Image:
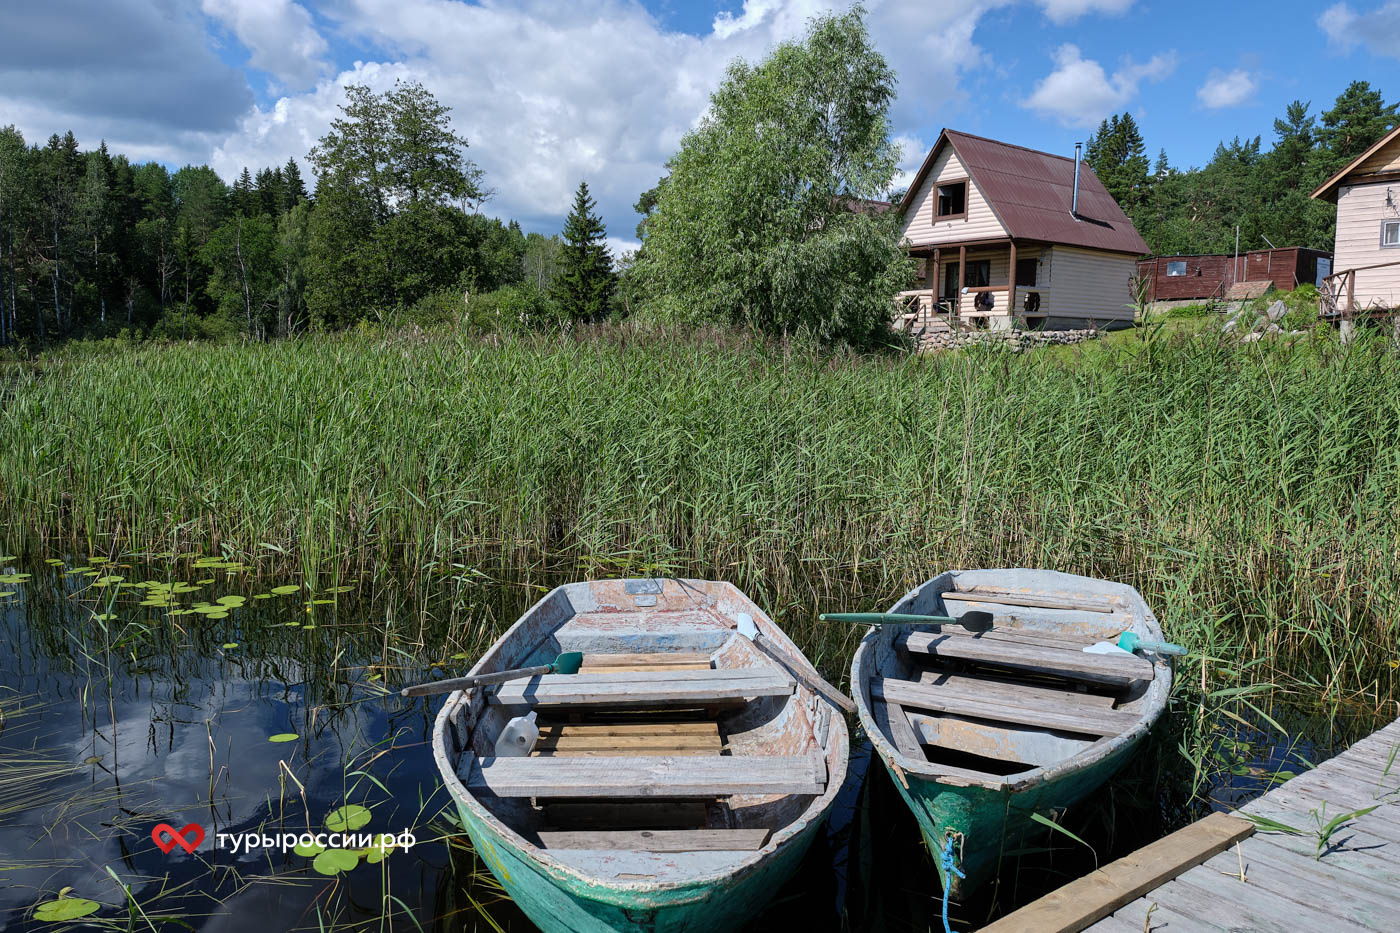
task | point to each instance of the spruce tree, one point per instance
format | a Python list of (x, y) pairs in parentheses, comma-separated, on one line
[(584, 283)]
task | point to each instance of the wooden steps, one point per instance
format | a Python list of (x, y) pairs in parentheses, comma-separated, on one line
[(644, 776), (563, 740), (1004, 707), (659, 840), (649, 688), (1023, 651)]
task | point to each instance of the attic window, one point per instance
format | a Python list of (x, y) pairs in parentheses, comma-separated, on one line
[(952, 200), (1176, 268), (1390, 233)]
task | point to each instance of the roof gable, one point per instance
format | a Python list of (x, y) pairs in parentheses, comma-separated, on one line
[(1328, 189), (1031, 194)]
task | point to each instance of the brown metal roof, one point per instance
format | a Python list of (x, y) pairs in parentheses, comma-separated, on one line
[(1031, 194)]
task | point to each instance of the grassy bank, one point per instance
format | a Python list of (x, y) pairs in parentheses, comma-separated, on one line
[(1249, 491)]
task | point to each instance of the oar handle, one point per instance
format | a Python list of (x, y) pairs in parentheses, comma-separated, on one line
[(475, 680), (885, 618)]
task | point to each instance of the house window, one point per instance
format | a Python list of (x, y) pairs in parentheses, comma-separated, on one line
[(952, 199), (1176, 268), (979, 275), (1025, 271), (1390, 233)]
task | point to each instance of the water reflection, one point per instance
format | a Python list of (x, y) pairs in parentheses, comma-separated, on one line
[(118, 716)]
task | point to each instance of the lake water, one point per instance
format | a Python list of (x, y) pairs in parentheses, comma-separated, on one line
[(119, 715)]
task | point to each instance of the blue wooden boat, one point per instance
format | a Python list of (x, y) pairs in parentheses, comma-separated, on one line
[(679, 777), (980, 730)]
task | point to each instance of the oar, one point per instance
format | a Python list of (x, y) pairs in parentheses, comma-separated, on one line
[(804, 673), (974, 621), (567, 663), (1132, 641)]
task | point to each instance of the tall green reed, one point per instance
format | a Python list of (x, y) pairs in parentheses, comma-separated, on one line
[(1248, 490)]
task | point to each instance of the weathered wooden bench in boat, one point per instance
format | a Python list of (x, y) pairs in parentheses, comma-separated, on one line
[(980, 730), (679, 776)]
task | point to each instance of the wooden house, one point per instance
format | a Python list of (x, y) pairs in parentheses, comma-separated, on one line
[(1008, 236), (1366, 274), (1208, 276)]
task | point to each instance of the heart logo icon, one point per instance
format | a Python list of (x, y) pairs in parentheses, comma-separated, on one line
[(188, 838)]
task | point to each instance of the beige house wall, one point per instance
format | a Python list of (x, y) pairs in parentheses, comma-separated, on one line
[(1361, 211), (921, 228)]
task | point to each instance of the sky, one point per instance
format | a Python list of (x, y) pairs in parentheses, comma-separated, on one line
[(551, 92)]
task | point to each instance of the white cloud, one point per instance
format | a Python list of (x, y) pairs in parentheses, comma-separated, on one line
[(1063, 11), (1079, 93), (1226, 89), (594, 90), (1378, 30), (279, 36)]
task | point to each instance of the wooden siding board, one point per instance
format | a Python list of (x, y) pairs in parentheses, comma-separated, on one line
[(1360, 211), (921, 228), (1089, 285)]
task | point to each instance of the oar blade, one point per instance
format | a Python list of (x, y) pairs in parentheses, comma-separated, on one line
[(568, 663)]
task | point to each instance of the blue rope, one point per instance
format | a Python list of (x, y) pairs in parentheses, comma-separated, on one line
[(950, 868)]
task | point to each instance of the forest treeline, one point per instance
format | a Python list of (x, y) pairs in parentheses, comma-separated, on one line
[(94, 245), (1263, 191), (748, 228)]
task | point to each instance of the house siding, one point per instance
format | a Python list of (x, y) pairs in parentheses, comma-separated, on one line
[(980, 223), (1087, 287), (1360, 211)]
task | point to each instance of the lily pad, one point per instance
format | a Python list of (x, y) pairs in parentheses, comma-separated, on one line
[(234, 601), (335, 861), (284, 737), (286, 590), (66, 908), (229, 645), (7, 593), (347, 818), (53, 562), (7, 558), (205, 582), (105, 617), (216, 615), (14, 577), (92, 760), (262, 595), (308, 850), (104, 582)]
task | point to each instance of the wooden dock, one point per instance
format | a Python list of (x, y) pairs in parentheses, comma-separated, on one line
[(1228, 873)]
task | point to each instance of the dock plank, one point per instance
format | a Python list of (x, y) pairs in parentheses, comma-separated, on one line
[(1095, 896), (1354, 885)]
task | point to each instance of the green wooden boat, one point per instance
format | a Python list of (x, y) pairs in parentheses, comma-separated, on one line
[(678, 778), (979, 730)]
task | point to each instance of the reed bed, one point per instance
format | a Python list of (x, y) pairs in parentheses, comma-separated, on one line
[(1250, 491)]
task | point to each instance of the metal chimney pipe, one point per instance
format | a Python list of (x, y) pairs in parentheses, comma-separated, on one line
[(1074, 206)]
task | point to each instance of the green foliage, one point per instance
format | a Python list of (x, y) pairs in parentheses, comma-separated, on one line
[(1265, 193), (389, 225), (1118, 157), (754, 225), (583, 284)]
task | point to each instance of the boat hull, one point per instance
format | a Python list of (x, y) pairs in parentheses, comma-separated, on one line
[(558, 900), (989, 822)]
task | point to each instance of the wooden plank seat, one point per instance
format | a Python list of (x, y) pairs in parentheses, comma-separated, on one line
[(652, 688), (652, 661), (1022, 651), (660, 776), (562, 740), (659, 840), (961, 701)]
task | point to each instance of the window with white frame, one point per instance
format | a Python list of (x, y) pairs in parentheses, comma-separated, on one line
[(1390, 233)]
